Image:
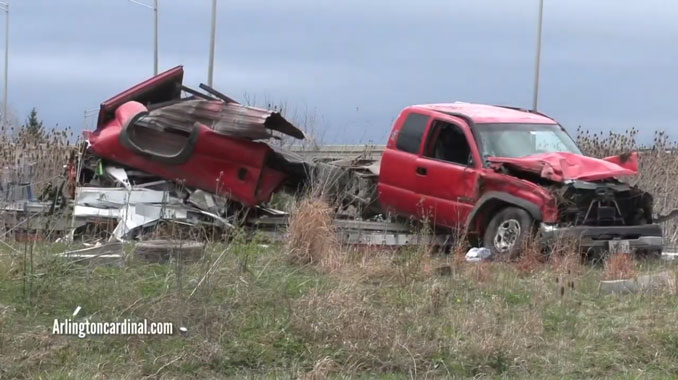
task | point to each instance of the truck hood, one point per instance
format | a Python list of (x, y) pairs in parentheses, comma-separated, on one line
[(562, 166)]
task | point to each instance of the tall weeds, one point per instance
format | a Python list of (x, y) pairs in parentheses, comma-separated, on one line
[(312, 237)]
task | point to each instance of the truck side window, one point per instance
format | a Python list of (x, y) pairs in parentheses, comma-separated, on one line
[(411, 133), (447, 142)]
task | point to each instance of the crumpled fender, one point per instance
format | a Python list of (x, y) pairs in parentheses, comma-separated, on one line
[(499, 190), (531, 207)]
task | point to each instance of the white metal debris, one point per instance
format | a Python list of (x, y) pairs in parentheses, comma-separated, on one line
[(135, 207), (663, 280), (120, 175), (478, 254)]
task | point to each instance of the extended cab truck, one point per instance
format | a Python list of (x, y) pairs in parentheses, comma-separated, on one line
[(501, 174)]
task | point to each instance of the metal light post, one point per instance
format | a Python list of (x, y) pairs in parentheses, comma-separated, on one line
[(87, 114), (538, 57), (5, 6), (154, 8), (210, 70)]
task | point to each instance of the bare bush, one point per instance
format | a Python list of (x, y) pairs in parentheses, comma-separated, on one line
[(39, 160), (312, 236)]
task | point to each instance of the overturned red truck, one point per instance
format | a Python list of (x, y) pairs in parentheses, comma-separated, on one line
[(498, 174)]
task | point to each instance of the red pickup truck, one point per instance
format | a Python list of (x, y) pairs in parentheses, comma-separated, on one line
[(498, 174), (502, 174)]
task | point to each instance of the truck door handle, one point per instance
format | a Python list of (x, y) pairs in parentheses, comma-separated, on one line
[(421, 170)]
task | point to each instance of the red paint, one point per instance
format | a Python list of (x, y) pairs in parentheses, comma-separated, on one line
[(219, 164), (160, 88), (626, 161), (563, 166), (450, 192)]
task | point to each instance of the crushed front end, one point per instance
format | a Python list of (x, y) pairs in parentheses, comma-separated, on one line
[(605, 214), (595, 208)]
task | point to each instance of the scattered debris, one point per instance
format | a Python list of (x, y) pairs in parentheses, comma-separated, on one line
[(105, 254), (663, 280), (478, 254), (157, 251), (134, 207)]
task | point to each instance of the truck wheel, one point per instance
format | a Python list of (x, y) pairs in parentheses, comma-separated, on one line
[(507, 231)]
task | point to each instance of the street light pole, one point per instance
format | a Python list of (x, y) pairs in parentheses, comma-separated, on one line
[(538, 57), (154, 8), (210, 70), (155, 38), (5, 6)]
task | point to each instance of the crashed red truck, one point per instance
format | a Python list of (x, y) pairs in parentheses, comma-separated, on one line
[(498, 174)]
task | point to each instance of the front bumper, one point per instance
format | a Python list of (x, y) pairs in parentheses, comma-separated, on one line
[(644, 237)]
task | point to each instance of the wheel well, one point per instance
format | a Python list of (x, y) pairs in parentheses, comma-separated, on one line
[(482, 215)]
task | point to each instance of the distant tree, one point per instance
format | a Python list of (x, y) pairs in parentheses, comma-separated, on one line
[(33, 128)]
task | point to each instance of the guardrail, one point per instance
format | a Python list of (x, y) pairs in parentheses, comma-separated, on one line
[(338, 152)]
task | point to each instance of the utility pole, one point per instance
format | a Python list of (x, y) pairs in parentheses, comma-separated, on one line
[(154, 8), (538, 57), (210, 70), (5, 6)]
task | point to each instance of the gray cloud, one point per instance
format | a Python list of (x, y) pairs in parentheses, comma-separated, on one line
[(355, 64)]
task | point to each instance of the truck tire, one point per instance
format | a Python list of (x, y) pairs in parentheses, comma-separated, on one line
[(507, 232)]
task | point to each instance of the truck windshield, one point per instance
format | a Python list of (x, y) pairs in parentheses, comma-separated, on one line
[(520, 140)]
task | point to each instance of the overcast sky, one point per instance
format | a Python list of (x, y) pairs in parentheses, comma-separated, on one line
[(351, 65)]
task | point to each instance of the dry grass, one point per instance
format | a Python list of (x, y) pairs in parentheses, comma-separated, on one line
[(366, 319), (322, 369), (565, 257), (312, 238), (531, 258), (620, 266)]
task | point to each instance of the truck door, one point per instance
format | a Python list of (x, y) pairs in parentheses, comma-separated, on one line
[(397, 174), (447, 172)]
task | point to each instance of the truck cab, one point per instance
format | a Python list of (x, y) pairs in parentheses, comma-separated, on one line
[(502, 175)]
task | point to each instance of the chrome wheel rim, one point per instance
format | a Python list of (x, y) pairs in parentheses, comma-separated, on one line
[(507, 235)]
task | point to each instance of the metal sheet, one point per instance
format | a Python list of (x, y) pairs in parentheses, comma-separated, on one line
[(230, 119), (118, 197)]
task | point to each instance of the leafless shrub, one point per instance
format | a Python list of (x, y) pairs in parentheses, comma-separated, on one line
[(36, 159), (312, 236)]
